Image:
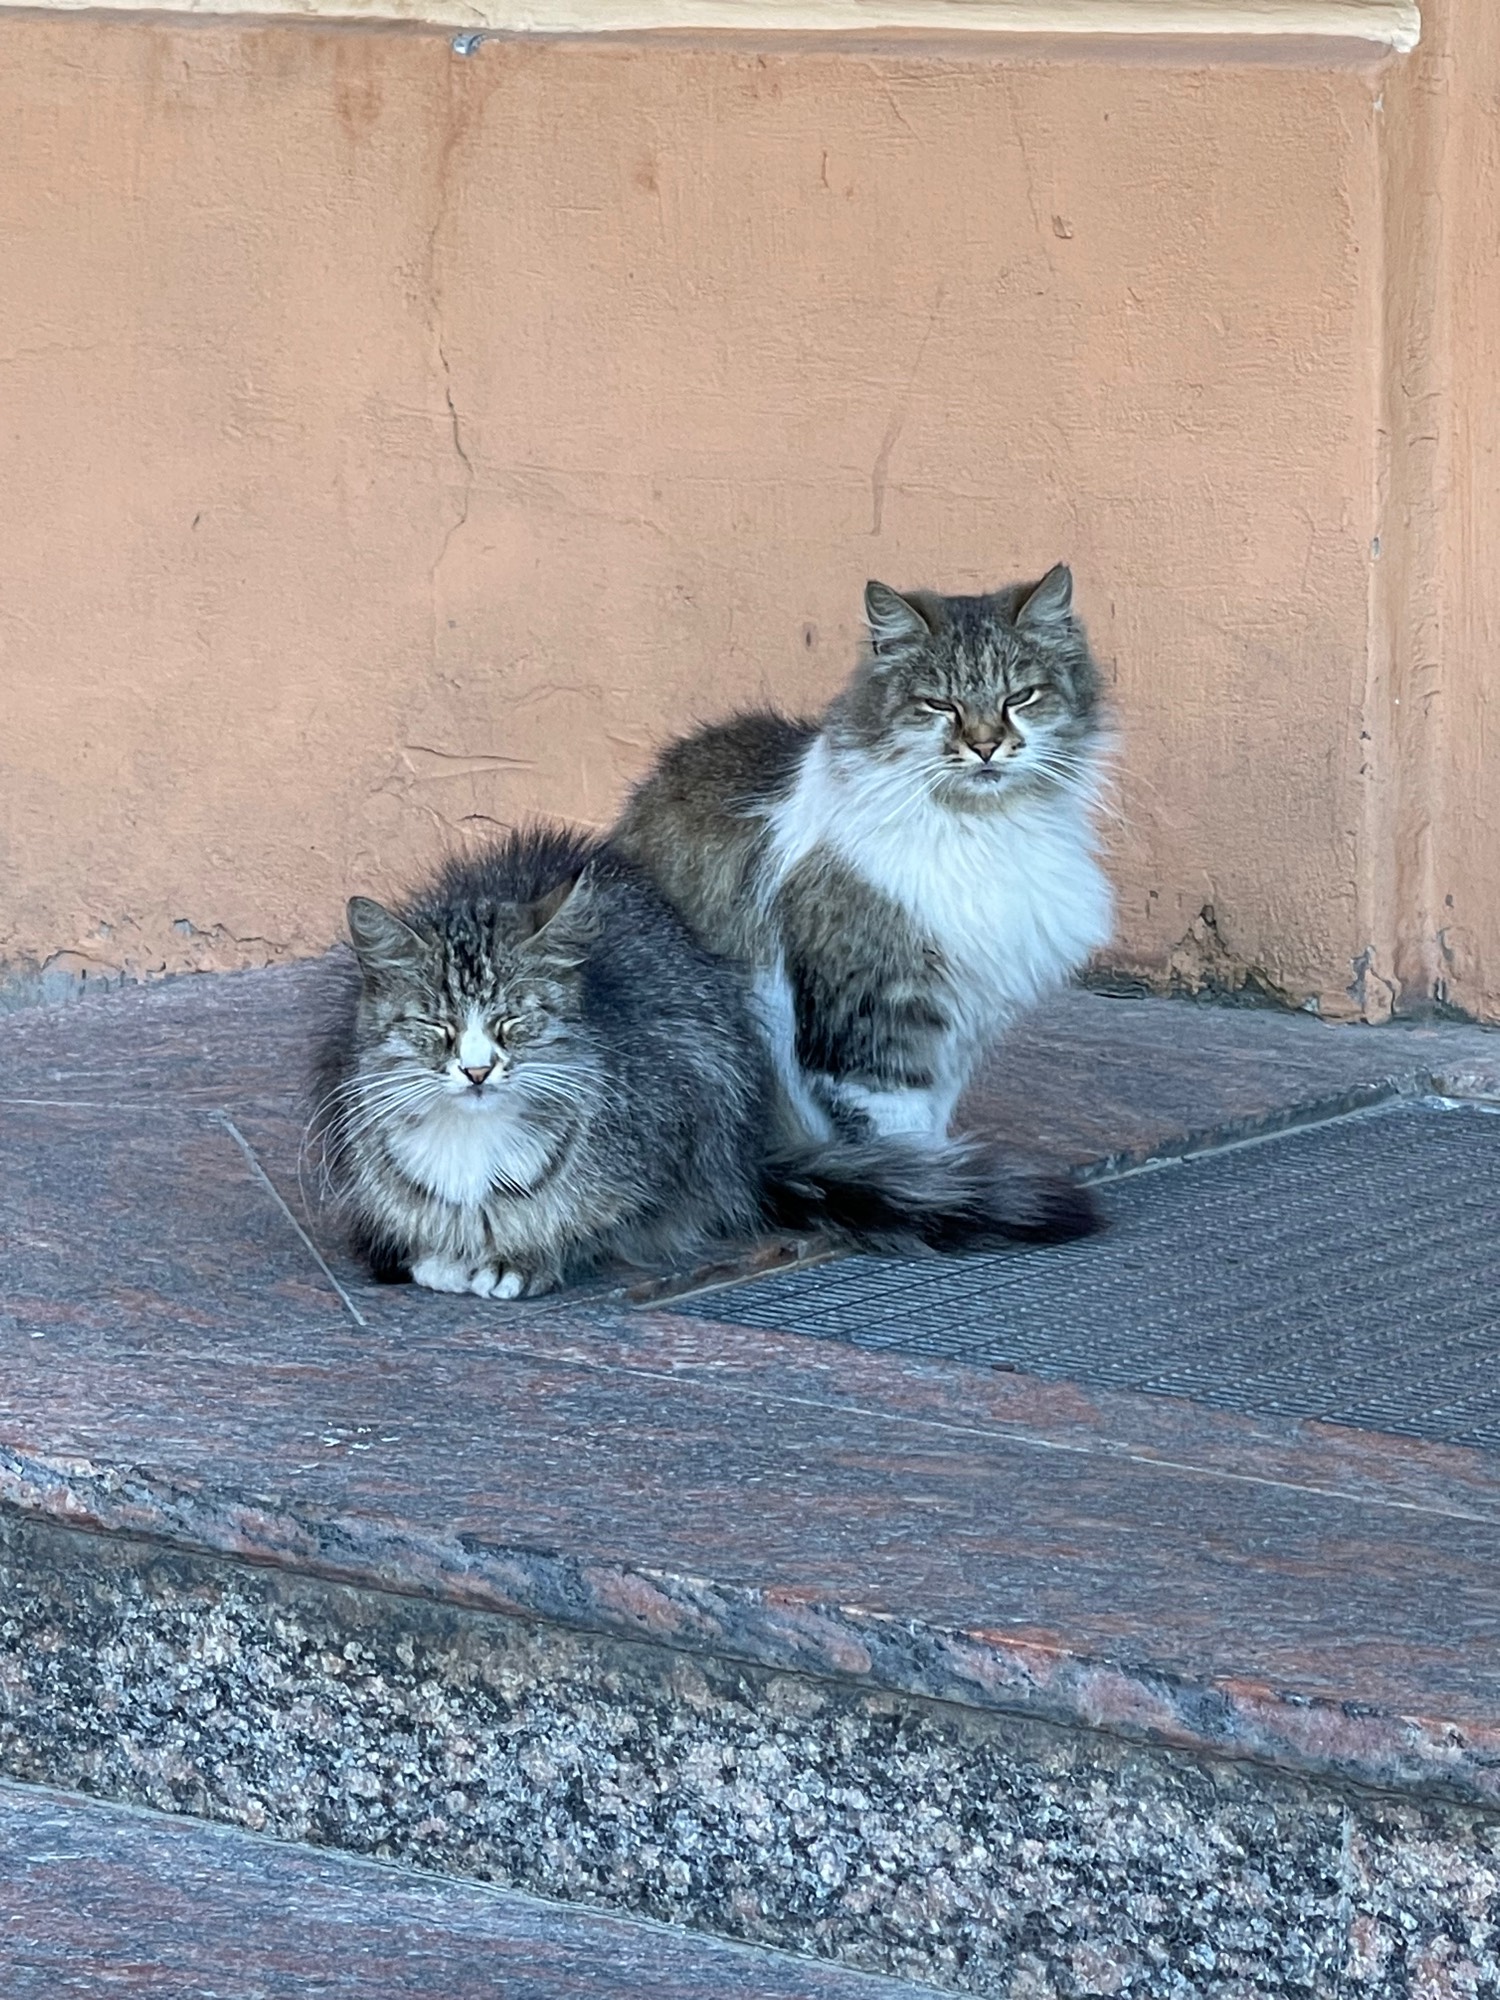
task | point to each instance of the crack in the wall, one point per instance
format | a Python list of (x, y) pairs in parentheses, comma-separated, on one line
[(71, 974), (452, 136), (881, 468), (1202, 965), (456, 429)]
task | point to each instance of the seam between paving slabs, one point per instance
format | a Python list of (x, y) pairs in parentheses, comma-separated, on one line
[(1363, 1101), (997, 1433), (264, 1180)]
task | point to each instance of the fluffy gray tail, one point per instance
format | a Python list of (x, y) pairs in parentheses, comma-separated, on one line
[(892, 1196)]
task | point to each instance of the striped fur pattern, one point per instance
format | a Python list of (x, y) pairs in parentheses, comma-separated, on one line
[(533, 1070), (907, 873)]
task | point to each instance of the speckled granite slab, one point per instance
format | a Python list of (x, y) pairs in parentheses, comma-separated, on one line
[(224, 1459), (981, 1852), (97, 1900)]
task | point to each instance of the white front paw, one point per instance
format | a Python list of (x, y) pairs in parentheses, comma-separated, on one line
[(498, 1284), (440, 1274)]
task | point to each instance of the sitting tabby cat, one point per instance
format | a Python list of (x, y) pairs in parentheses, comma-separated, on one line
[(538, 1071), (908, 872)]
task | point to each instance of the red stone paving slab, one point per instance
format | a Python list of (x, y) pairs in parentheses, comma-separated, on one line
[(1116, 1082), (200, 1378), (1088, 1079), (174, 1361), (98, 1899)]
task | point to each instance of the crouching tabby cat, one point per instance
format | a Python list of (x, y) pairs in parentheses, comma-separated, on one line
[(906, 873), (536, 1070)]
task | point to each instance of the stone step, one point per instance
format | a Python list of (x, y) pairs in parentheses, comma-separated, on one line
[(104, 1900), (938, 1672)]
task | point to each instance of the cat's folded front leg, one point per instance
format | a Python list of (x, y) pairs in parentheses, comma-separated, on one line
[(876, 1051)]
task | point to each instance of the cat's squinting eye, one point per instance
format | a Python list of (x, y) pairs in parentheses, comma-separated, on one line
[(505, 1031), (1022, 698), (937, 707), (428, 1031)]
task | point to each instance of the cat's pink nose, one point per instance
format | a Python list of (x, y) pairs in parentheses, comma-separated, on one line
[(984, 751), (478, 1072)]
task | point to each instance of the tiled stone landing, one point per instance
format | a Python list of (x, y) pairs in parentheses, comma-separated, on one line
[(910, 1669)]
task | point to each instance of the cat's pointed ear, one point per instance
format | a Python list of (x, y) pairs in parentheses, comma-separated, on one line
[(383, 942), (553, 923), (1050, 602), (897, 625), (541, 913)]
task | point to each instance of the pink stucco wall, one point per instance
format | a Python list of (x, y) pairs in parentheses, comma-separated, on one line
[(397, 443)]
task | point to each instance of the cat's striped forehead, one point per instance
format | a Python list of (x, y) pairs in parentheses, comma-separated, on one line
[(469, 977), (977, 651), (979, 656), (473, 968)]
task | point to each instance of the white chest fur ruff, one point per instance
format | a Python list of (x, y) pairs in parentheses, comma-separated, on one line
[(1014, 902), (461, 1153)]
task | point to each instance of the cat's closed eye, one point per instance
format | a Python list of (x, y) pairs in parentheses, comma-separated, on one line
[(427, 1034), (934, 707)]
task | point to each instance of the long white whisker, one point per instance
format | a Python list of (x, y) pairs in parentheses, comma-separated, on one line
[(1090, 785), (569, 1088), (383, 1113), (360, 1089), (380, 1104), (545, 1077), (923, 786), (373, 1104)]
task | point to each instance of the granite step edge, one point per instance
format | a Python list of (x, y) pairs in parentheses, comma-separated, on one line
[(980, 1853), (126, 1895), (1035, 1675)]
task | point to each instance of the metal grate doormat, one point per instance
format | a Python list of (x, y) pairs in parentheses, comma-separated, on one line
[(1348, 1271)]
